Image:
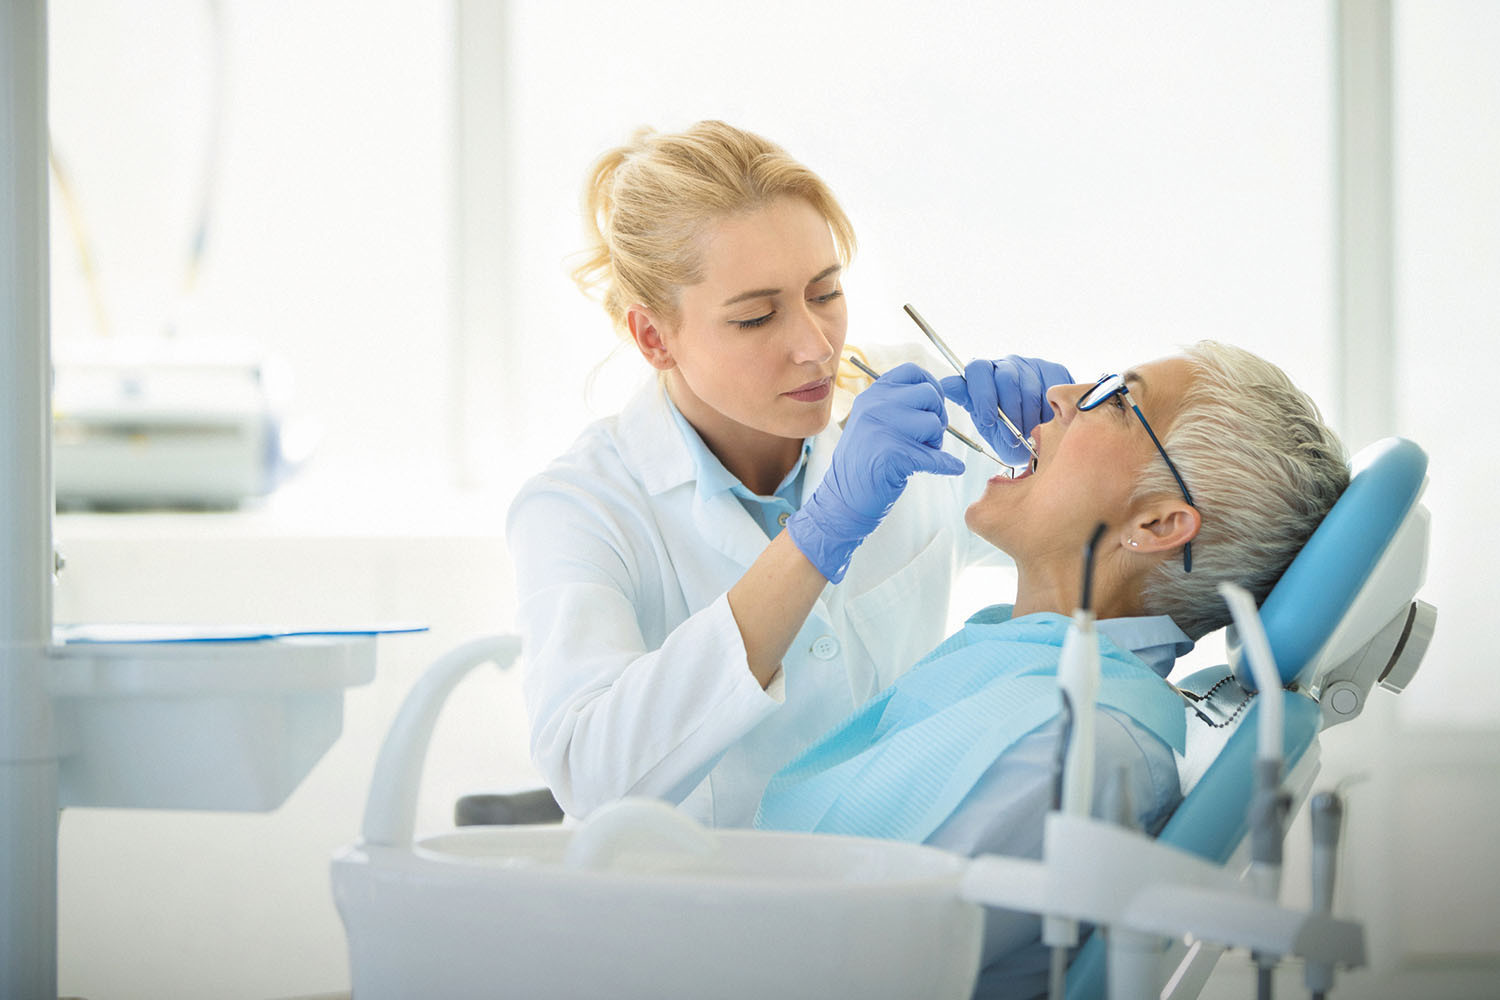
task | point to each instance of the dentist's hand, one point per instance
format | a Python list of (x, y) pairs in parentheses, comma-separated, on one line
[(1015, 384), (895, 429)]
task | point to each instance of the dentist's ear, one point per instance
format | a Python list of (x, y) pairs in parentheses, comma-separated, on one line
[(646, 331)]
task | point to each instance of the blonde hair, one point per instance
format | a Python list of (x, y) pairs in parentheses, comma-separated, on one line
[(646, 203), (1263, 469)]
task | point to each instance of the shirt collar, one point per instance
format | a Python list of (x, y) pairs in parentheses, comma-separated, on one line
[(1156, 639)]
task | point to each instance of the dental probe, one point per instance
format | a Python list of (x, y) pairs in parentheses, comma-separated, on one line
[(853, 360), (958, 366)]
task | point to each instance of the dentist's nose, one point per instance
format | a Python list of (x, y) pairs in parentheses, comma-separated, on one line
[(813, 343)]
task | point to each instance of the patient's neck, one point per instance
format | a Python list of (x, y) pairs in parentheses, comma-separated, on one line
[(1057, 587)]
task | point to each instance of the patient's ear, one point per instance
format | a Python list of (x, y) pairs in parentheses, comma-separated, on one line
[(646, 331), (1162, 526)]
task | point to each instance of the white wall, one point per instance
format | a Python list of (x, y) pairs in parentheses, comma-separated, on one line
[(1448, 323)]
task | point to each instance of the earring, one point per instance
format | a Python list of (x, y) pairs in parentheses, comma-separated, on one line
[(1135, 543)]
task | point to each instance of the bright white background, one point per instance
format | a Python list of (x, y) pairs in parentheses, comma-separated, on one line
[(394, 215), (1095, 183)]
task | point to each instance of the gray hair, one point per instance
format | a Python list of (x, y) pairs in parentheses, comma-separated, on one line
[(1263, 470)]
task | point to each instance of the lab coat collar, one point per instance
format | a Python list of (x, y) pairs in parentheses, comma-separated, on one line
[(649, 440)]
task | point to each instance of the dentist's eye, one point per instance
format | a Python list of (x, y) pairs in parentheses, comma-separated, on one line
[(750, 324), (825, 299)]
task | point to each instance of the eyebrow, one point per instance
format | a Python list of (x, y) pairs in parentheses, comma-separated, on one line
[(765, 293), (1134, 376)]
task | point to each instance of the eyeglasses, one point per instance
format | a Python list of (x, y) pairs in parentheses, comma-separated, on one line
[(1106, 389)]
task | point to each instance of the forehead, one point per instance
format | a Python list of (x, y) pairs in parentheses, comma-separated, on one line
[(1159, 385), (785, 241)]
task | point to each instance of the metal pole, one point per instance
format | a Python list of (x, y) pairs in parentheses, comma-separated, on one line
[(28, 753), (1367, 352), (1366, 339)]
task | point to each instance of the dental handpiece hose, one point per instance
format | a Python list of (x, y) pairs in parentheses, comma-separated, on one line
[(1269, 804), (1327, 819), (1078, 683)]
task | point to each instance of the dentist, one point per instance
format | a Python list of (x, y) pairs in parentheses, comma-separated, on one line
[(692, 606)]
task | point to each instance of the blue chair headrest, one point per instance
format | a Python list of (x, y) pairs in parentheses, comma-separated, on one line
[(1322, 583)]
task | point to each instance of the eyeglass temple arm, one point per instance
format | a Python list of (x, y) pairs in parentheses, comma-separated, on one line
[(1187, 547)]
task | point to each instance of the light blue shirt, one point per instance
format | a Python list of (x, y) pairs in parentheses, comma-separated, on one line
[(1154, 638), (1004, 812), (769, 512)]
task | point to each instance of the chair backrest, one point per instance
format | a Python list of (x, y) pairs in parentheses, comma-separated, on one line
[(1362, 565)]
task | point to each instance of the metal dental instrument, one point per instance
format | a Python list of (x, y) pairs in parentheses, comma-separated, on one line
[(958, 366), (853, 360)]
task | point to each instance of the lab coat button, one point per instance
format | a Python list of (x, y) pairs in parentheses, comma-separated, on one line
[(781, 518), (825, 647)]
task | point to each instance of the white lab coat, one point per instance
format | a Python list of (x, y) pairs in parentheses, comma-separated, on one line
[(636, 679)]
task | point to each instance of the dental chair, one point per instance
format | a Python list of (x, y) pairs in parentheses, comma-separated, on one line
[(1342, 619)]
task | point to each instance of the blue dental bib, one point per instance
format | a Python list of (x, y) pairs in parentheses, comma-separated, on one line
[(902, 763)]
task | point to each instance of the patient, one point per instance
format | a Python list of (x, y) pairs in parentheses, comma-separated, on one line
[(960, 751)]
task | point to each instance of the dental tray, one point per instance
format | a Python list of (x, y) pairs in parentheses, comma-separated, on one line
[(159, 633)]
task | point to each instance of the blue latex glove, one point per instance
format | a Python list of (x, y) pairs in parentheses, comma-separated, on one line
[(1016, 384), (895, 429)]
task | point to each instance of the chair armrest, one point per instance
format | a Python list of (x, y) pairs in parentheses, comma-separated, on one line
[(508, 809)]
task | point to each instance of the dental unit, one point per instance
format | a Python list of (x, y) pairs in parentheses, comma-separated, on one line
[(548, 910)]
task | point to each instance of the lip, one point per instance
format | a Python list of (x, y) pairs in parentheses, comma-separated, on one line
[(1008, 480), (812, 392)]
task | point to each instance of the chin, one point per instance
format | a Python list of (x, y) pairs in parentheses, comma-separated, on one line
[(808, 424), (975, 520)]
